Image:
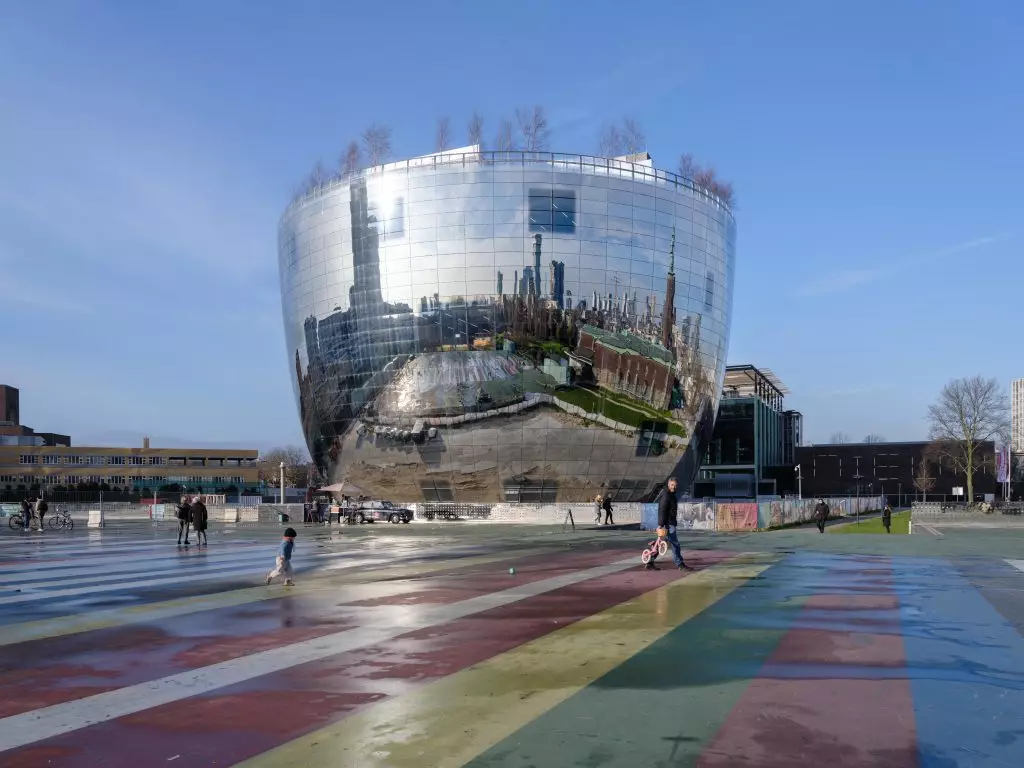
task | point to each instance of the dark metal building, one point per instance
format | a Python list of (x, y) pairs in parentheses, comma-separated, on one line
[(851, 469)]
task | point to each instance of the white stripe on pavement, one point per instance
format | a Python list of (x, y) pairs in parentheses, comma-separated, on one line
[(1018, 564), (48, 722)]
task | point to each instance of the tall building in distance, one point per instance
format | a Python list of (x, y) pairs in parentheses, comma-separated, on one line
[(501, 288), (536, 264), (1017, 416), (557, 283)]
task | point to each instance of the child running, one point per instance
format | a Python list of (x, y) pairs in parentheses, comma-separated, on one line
[(284, 558)]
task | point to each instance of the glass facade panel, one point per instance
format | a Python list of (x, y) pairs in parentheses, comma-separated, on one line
[(518, 326)]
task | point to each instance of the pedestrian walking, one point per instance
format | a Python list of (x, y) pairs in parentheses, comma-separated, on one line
[(199, 519), (597, 509), (41, 509), (284, 559), (820, 515), (184, 519), (887, 518), (668, 522), (607, 505)]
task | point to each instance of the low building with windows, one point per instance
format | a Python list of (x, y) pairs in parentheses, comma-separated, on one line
[(31, 461), (87, 467)]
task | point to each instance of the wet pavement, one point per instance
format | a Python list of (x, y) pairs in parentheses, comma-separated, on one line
[(417, 646)]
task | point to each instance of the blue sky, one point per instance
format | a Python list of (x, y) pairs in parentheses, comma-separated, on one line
[(148, 150)]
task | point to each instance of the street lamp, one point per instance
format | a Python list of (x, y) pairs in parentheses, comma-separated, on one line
[(282, 482), (799, 482)]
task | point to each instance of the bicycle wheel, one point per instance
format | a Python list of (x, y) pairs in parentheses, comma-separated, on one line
[(15, 522), (55, 522)]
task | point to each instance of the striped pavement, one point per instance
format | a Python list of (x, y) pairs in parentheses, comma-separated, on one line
[(122, 650)]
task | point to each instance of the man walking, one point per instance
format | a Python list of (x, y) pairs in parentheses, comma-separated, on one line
[(668, 519), (887, 518), (821, 515)]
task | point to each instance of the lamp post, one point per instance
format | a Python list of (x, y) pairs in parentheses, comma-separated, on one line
[(799, 482), (282, 482)]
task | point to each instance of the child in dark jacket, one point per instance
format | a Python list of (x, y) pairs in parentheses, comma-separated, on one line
[(284, 558)]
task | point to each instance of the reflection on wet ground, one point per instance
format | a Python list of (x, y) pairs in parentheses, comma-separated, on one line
[(504, 646)]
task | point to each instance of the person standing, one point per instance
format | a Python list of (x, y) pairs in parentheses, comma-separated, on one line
[(668, 520), (597, 509), (199, 519), (607, 506), (26, 515), (41, 509), (887, 518), (184, 518)]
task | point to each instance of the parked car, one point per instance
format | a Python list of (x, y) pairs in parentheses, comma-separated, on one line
[(378, 511)]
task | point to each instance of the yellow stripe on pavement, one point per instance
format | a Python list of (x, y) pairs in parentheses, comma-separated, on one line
[(449, 722), (337, 583)]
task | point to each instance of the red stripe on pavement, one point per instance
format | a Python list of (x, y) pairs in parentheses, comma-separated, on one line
[(829, 696), (241, 721)]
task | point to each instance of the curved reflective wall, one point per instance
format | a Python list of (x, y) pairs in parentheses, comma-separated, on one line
[(487, 327)]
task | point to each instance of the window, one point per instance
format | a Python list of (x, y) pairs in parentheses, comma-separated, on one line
[(29, 459), (156, 460), (436, 490), (136, 461), (116, 479), (552, 210), (98, 461), (115, 460), (74, 460), (51, 459), (10, 478)]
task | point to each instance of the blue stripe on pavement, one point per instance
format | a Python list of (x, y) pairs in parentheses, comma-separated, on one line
[(966, 667)]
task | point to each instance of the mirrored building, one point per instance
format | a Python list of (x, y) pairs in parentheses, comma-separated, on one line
[(507, 326)]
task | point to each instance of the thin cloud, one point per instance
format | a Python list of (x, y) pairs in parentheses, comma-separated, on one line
[(844, 280)]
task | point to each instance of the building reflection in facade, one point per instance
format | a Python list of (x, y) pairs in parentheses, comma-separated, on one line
[(506, 326)]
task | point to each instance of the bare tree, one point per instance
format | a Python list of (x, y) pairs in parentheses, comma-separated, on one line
[(475, 130), (609, 144), (839, 438), (873, 438), (968, 413), (444, 134), (725, 193), (688, 167), (296, 466), (533, 128), (317, 178), (923, 479), (505, 140), (350, 160), (705, 178), (377, 143), (633, 139)]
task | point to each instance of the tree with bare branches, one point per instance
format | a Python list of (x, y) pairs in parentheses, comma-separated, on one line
[(443, 135), (923, 479), (350, 160), (873, 438), (839, 438), (533, 128), (968, 413), (377, 143), (609, 143), (505, 140), (317, 178), (688, 166), (475, 130), (633, 139)]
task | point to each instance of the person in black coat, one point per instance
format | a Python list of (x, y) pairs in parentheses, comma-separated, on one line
[(887, 518), (199, 518), (607, 506), (184, 519), (668, 520), (821, 515)]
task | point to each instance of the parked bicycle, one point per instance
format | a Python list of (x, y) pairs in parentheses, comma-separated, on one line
[(17, 522), (62, 519)]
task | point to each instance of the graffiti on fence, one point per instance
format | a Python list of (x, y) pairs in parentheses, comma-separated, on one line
[(737, 516), (696, 516)]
